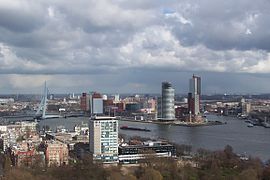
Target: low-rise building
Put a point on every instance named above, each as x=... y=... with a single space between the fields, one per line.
x=25 y=153
x=56 y=153
x=24 y=157
x=28 y=126
x=132 y=154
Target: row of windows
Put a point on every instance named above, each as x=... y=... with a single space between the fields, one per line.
x=143 y=149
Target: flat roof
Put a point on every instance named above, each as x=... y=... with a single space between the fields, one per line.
x=102 y=118
x=144 y=145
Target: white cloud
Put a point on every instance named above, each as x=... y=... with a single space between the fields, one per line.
x=178 y=18
x=157 y=47
x=101 y=37
x=51 y=12
x=10 y=63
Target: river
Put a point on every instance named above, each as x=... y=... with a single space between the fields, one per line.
x=244 y=140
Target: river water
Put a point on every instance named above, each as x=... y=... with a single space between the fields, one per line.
x=244 y=140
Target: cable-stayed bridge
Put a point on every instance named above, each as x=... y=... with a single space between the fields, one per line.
x=41 y=111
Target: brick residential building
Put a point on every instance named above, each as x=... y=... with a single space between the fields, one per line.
x=56 y=153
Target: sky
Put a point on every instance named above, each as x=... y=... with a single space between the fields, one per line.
x=123 y=46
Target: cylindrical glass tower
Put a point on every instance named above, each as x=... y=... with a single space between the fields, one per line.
x=167 y=102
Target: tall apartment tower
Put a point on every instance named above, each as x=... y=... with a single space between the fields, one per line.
x=103 y=138
x=194 y=95
x=166 y=109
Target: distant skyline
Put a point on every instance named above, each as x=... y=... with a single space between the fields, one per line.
x=132 y=46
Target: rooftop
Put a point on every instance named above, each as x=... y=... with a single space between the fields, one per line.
x=102 y=118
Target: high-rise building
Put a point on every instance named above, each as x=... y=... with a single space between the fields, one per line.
x=194 y=95
x=96 y=103
x=166 y=109
x=246 y=107
x=116 y=98
x=85 y=100
x=92 y=103
x=103 y=138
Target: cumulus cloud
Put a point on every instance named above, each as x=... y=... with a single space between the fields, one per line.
x=107 y=37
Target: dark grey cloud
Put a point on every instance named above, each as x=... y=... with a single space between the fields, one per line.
x=20 y=19
x=222 y=25
x=134 y=45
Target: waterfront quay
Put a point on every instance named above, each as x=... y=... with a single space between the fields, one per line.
x=175 y=122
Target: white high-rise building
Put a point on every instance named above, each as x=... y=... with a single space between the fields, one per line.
x=103 y=138
x=116 y=98
x=166 y=109
x=104 y=97
x=194 y=95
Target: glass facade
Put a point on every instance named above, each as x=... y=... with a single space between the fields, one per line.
x=166 y=109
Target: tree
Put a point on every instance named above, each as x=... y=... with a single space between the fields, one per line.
x=27 y=132
x=266 y=173
x=139 y=171
x=116 y=176
x=130 y=177
x=7 y=163
x=19 y=174
x=20 y=139
x=228 y=150
x=38 y=162
x=115 y=173
x=248 y=174
x=257 y=166
x=183 y=149
x=151 y=174
x=188 y=172
x=42 y=147
x=203 y=153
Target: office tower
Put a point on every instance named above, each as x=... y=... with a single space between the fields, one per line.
x=103 y=138
x=96 y=103
x=194 y=95
x=85 y=100
x=166 y=109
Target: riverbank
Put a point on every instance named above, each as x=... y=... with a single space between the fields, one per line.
x=244 y=140
x=178 y=123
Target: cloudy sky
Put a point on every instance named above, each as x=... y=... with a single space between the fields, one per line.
x=132 y=46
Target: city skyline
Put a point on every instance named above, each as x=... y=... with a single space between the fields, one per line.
x=180 y=89
x=130 y=47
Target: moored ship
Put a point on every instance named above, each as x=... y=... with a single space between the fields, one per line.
x=134 y=128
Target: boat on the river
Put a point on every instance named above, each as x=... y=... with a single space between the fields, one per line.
x=134 y=128
x=250 y=125
x=266 y=124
